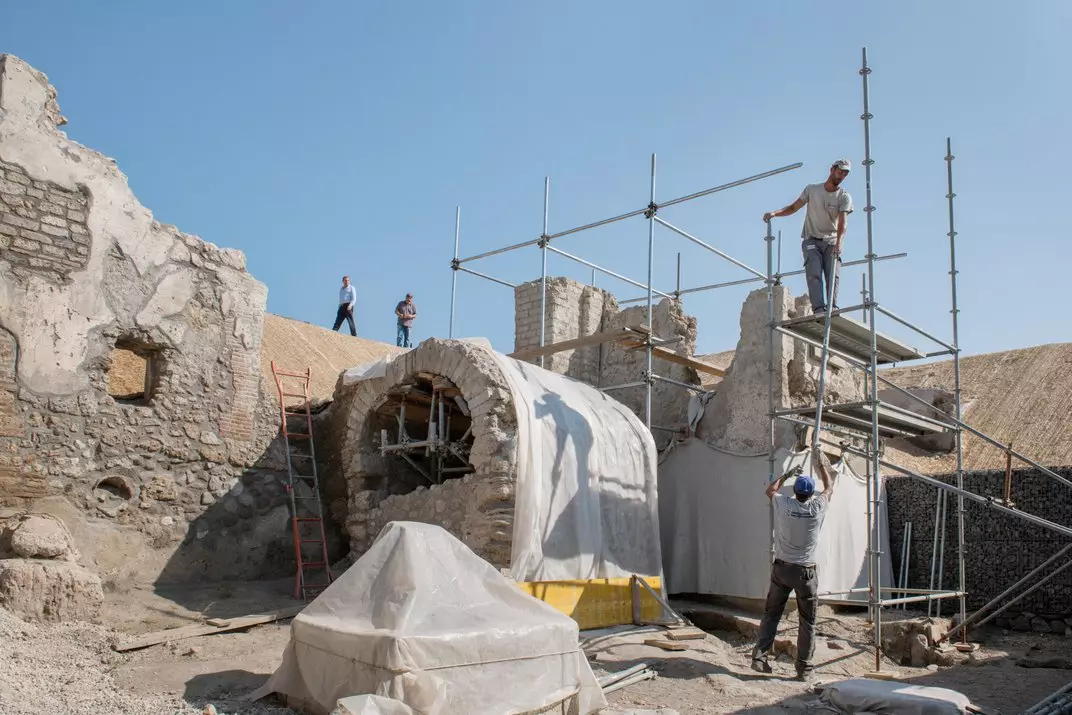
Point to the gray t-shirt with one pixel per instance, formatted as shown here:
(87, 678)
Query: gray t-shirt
(796, 527)
(822, 209)
(408, 310)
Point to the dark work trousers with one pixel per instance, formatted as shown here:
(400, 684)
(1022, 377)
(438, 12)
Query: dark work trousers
(345, 314)
(819, 261)
(786, 577)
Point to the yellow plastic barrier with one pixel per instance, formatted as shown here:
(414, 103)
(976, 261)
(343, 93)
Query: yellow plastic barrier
(597, 603)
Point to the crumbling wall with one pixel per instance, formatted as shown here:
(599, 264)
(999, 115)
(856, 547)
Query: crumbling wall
(574, 310)
(478, 507)
(86, 270)
(669, 403)
(999, 548)
(737, 419)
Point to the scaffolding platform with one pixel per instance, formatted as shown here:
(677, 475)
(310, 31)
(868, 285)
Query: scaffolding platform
(858, 416)
(852, 338)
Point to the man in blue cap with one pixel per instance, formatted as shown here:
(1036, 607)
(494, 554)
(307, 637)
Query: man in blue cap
(797, 521)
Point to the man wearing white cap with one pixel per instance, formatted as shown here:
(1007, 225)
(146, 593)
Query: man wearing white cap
(825, 223)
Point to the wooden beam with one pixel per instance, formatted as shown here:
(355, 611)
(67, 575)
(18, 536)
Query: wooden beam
(609, 336)
(232, 624)
(697, 365)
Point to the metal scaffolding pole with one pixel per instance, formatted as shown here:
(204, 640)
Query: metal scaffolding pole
(709, 247)
(454, 267)
(638, 212)
(605, 271)
(777, 278)
(967, 623)
(955, 311)
(875, 595)
(543, 268)
(486, 277)
(769, 240)
(652, 208)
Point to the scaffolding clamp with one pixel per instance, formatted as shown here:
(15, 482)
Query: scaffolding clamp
(455, 264)
(544, 241)
(652, 210)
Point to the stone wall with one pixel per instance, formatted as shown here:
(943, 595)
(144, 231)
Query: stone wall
(737, 418)
(669, 403)
(476, 508)
(42, 225)
(574, 310)
(84, 269)
(1000, 548)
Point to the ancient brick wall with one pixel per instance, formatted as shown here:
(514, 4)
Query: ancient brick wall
(1000, 548)
(192, 464)
(574, 310)
(477, 508)
(42, 224)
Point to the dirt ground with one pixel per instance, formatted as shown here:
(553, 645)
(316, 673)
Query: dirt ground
(72, 668)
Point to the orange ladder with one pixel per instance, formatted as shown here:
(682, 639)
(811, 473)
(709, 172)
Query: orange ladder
(306, 510)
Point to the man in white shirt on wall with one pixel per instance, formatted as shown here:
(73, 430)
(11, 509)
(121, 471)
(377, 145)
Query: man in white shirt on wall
(347, 299)
(825, 223)
(797, 522)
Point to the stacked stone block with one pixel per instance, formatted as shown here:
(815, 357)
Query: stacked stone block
(42, 224)
(1000, 548)
(477, 508)
(574, 310)
(196, 468)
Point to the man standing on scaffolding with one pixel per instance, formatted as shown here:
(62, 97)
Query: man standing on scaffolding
(825, 223)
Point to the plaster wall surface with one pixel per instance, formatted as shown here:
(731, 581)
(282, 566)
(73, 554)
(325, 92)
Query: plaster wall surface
(189, 468)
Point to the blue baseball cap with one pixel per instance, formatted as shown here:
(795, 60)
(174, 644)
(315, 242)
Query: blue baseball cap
(804, 486)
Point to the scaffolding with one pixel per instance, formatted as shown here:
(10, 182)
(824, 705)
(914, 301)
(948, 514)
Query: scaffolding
(858, 344)
(871, 420)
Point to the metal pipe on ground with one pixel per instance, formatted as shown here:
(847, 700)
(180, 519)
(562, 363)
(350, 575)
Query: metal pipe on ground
(611, 678)
(1037, 585)
(646, 674)
(970, 620)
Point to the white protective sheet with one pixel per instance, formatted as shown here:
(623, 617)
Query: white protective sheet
(882, 697)
(423, 620)
(586, 502)
(717, 527)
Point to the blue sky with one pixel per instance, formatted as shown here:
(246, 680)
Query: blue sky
(338, 137)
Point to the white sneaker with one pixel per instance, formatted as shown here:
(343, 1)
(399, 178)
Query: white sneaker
(819, 313)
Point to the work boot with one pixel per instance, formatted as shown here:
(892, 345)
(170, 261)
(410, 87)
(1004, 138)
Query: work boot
(760, 665)
(806, 676)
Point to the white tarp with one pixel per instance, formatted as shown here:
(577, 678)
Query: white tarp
(882, 697)
(586, 501)
(423, 620)
(717, 528)
(585, 504)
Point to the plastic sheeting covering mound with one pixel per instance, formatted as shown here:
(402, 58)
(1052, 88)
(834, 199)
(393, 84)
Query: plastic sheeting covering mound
(893, 698)
(586, 504)
(717, 527)
(423, 620)
(585, 484)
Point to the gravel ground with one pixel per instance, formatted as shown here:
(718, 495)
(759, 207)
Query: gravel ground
(70, 669)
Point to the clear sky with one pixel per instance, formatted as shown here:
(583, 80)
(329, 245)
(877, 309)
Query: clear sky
(338, 137)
